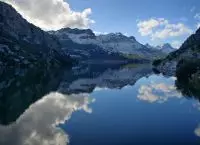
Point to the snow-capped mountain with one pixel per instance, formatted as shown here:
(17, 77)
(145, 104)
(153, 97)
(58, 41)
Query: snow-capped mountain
(149, 46)
(166, 48)
(83, 46)
(117, 42)
(110, 43)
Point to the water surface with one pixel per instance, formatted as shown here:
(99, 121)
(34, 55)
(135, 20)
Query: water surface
(95, 105)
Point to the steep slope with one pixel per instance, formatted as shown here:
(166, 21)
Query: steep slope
(189, 51)
(23, 44)
(110, 43)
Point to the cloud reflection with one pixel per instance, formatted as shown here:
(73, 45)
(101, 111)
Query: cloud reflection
(197, 131)
(37, 125)
(158, 92)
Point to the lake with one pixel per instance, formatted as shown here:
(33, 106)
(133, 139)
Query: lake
(96, 105)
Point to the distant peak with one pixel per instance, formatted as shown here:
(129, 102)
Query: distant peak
(166, 45)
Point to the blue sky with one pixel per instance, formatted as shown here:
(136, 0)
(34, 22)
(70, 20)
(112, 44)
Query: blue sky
(124, 15)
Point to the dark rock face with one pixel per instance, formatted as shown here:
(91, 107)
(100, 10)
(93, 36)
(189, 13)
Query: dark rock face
(24, 44)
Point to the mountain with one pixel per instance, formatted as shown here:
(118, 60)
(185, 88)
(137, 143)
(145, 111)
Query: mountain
(149, 46)
(25, 45)
(113, 43)
(166, 48)
(85, 52)
(187, 56)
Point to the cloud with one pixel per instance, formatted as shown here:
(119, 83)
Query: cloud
(38, 124)
(193, 9)
(197, 16)
(176, 43)
(51, 14)
(197, 131)
(157, 92)
(145, 94)
(160, 28)
(146, 27)
(198, 25)
(100, 33)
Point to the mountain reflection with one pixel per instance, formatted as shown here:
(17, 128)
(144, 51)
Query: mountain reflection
(109, 78)
(37, 125)
(20, 88)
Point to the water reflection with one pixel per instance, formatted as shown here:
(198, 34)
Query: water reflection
(158, 91)
(19, 88)
(37, 125)
(162, 89)
(29, 116)
(115, 78)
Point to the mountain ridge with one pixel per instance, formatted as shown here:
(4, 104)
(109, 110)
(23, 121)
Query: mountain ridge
(111, 43)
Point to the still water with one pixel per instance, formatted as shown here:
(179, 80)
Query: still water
(95, 105)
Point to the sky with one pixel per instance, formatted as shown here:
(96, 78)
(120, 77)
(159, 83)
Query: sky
(150, 21)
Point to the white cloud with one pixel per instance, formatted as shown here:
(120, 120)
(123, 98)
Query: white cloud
(100, 33)
(176, 43)
(197, 131)
(146, 27)
(193, 9)
(157, 92)
(198, 25)
(197, 16)
(52, 14)
(160, 28)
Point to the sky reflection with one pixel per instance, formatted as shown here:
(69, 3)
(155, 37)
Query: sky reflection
(158, 91)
